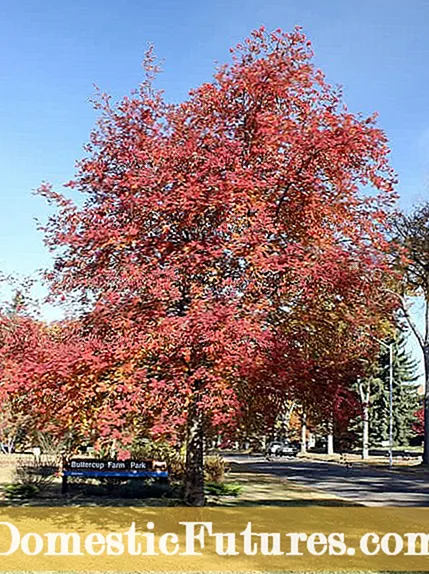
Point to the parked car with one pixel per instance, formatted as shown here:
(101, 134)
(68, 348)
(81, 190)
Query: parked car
(282, 448)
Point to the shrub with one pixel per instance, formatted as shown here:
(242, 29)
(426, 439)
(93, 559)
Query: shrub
(176, 467)
(223, 489)
(22, 491)
(37, 473)
(57, 447)
(161, 451)
(215, 468)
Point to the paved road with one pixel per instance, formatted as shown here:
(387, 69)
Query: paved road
(372, 487)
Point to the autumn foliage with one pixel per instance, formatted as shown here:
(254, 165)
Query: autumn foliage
(418, 426)
(223, 252)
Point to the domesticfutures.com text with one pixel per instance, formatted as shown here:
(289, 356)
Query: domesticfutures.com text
(197, 538)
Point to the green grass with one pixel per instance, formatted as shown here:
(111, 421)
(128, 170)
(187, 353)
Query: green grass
(223, 489)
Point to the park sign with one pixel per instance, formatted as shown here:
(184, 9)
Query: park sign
(98, 467)
(107, 468)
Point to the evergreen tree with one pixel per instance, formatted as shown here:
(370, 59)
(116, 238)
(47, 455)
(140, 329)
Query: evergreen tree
(405, 397)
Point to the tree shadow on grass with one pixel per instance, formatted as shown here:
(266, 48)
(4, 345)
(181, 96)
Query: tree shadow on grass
(284, 502)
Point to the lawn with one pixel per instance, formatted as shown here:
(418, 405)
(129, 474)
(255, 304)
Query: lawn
(260, 489)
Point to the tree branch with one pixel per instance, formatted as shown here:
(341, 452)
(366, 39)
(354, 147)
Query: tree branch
(404, 307)
(427, 320)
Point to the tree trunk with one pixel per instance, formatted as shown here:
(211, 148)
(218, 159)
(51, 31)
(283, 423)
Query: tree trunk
(330, 443)
(423, 340)
(426, 406)
(330, 436)
(365, 432)
(364, 397)
(304, 433)
(194, 469)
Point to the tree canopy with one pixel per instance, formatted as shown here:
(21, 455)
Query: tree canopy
(224, 250)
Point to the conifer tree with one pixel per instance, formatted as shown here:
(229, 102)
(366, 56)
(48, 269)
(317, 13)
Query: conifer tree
(405, 397)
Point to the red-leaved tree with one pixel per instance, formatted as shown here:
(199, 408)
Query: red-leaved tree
(225, 242)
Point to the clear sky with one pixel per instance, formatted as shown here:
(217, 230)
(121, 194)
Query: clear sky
(52, 52)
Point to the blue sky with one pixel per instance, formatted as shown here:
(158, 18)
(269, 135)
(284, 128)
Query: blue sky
(53, 52)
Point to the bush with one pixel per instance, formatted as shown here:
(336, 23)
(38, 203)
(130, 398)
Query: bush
(35, 473)
(176, 468)
(223, 489)
(215, 468)
(162, 452)
(52, 446)
(21, 491)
